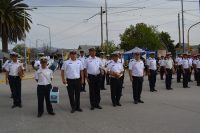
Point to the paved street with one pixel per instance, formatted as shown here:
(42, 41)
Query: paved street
(176, 111)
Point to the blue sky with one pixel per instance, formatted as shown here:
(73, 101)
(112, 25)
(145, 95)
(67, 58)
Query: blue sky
(69, 29)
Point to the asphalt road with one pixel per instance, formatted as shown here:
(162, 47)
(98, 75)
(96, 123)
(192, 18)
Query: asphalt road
(176, 111)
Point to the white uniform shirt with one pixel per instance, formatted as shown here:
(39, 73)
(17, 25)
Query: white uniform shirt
(179, 61)
(121, 60)
(116, 67)
(151, 62)
(198, 63)
(190, 61)
(169, 63)
(13, 68)
(161, 62)
(185, 63)
(6, 64)
(82, 59)
(37, 64)
(44, 76)
(72, 69)
(195, 61)
(103, 62)
(93, 65)
(137, 68)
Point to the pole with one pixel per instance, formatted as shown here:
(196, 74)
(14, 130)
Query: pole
(101, 27)
(25, 50)
(183, 26)
(179, 29)
(188, 34)
(106, 25)
(50, 38)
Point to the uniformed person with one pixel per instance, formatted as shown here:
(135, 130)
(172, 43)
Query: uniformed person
(195, 60)
(179, 67)
(93, 76)
(190, 59)
(103, 74)
(116, 71)
(168, 67)
(43, 77)
(197, 69)
(14, 73)
(72, 75)
(186, 70)
(82, 59)
(152, 71)
(121, 60)
(108, 61)
(161, 63)
(136, 74)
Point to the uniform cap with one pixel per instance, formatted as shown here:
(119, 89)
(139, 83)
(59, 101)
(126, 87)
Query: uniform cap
(43, 59)
(14, 54)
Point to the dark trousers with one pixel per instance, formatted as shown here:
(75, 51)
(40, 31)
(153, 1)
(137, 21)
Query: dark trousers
(198, 77)
(162, 71)
(189, 76)
(168, 80)
(186, 77)
(15, 85)
(83, 85)
(195, 75)
(107, 79)
(43, 93)
(116, 90)
(73, 89)
(94, 89)
(152, 79)
(102, 85)
(137, 87)
(179, 73)
(11, 90)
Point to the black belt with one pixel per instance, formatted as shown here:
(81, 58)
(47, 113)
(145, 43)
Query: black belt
(94, 75)
(44, 85)
(13, 76)
(73, 79)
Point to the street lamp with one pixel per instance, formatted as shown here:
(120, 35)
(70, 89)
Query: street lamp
(25, 50)
(188, 34)
(49, 33)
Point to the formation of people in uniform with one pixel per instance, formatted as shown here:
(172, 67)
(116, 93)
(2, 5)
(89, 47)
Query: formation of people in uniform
(76, 71)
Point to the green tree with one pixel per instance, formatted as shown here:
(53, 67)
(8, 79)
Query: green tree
(12, 22)
(142, 36)
(167, 42)
(19, 48)
(109, 48)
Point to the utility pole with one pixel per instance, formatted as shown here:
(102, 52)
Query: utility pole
(179, 29)
(101, 26)
(183, 25)
(106, 9)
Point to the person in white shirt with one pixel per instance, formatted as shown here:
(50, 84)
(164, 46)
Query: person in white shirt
(161, 63)
(186, 70)
(152, 71)
(121, 60)
(72, 75)
(169, 64)
(14, 72)
(179, 67)
(93, 75)
(116, 71)
(191, 66)
(103, 74)
(108, 61)
(195, 60)
(136, 74)
(197, 69)
(82, 58)
(43, 77)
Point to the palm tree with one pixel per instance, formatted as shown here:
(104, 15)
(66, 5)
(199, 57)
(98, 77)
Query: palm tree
(12, 22)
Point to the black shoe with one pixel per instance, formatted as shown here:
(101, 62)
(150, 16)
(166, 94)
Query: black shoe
(79, 110)
(155, 90)
(98, 107)
(52, 113)
(140, 101)
(171, 89)
(114, 105)
(20, 106)
(118, 104)
(14, 106)
(135, 102)
(92, 108)
(39, 115)
(73, 110)
(123, 87)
